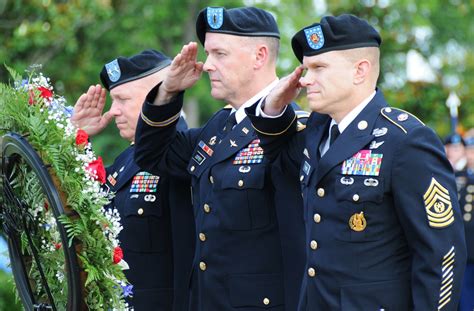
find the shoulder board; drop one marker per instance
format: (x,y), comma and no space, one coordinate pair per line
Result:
(400,118)
(227,107)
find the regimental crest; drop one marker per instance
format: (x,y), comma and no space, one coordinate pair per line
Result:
(113,70)
(314,37)
(438,205)
(215,17)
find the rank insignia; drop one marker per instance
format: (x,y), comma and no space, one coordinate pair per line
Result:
(314,37)
(363,163)
(357,222)
(206,148)
(438,205)
(144,182)
(113,70)
(252,154)
(215,17)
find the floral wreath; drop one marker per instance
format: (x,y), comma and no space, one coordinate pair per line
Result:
(30,107)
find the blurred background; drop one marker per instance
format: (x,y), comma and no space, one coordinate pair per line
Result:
(427,53)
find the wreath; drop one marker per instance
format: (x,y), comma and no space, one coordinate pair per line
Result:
(63,243)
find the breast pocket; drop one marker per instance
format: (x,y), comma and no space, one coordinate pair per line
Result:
(145,227)
(361,210)
(243,200)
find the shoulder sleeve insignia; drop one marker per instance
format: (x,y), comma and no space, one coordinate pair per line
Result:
(400,118)
(438,205)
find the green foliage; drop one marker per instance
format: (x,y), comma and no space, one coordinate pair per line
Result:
(74,39)
(8,300)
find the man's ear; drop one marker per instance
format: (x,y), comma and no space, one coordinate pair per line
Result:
(261,56)
(362,71)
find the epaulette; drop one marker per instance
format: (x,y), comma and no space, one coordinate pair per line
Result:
(400,118)
(227,107)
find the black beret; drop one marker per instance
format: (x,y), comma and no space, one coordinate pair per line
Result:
(246,21)
(333,33)
(453,139)
(122,69)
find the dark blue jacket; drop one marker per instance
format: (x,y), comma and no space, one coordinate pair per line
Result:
(240,262)
(466,197)
(383,225)
(158,233)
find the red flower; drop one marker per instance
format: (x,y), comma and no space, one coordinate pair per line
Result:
(45,93)
(46,206)
(57,245)
(81,138)
(118,255)
(97,170)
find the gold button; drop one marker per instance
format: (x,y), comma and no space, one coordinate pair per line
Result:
(468,207)
(202,237)
(140,211)
(207,208)
(192,168)
(202,266)
(266,301)
(313,244)
(469,198)
(301,177)
(467,217)
(211,179)
(317,218)
(321,192)
(470,188)
(311,272)
(241,183)
(355,197)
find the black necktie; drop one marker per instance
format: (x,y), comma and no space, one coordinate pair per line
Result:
(229,124)
(334,134)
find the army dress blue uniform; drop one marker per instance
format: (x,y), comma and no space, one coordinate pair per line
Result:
(157,241)
(384,229)
(238,263)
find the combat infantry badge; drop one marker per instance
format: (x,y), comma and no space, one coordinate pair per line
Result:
(438,205)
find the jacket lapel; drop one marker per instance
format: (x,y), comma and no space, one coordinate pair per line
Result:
(237,139)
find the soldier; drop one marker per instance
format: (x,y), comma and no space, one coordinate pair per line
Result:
(455,151)
(466,201)
(242,259)
(158,227)
(384,229)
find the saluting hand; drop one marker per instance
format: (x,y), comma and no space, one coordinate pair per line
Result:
(88,111)
(283,93)
(184,72)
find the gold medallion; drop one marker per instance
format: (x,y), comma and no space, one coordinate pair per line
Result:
(357,222)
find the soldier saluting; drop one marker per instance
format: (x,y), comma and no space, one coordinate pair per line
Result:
(384,228)
(240,254)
